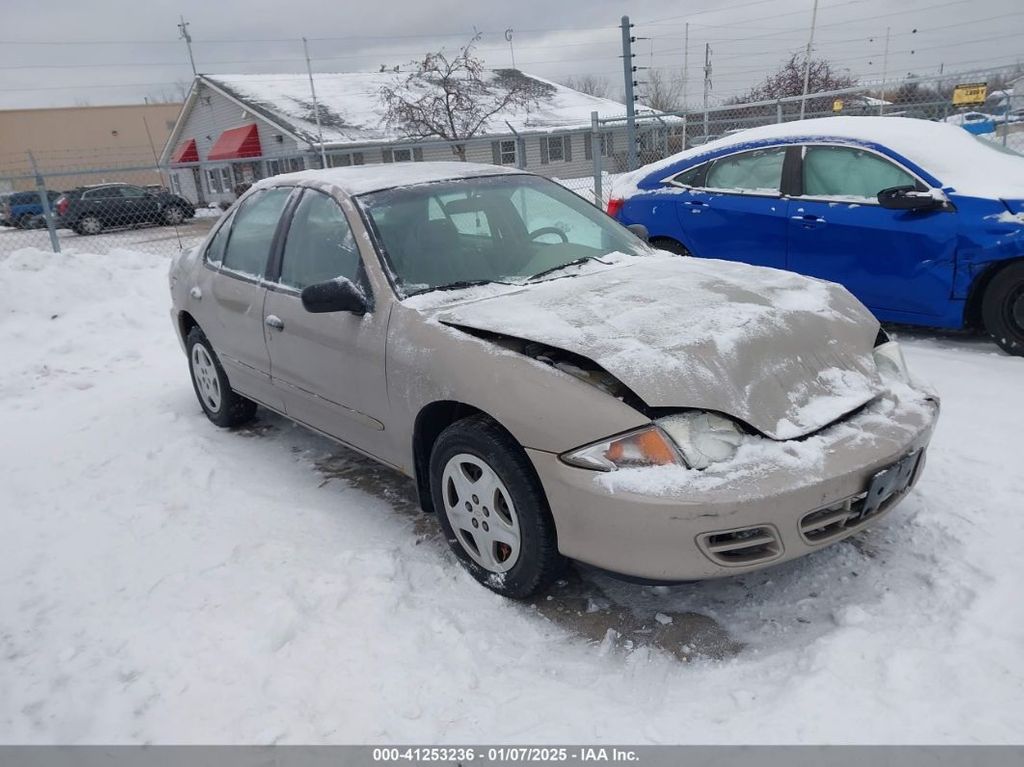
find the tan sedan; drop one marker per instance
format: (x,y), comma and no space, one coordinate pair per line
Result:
(557,389)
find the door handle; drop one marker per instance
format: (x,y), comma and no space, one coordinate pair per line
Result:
(273,321)
(695,206)
(809,221)
(196,293)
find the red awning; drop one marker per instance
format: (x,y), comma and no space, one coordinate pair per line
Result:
(237,143)
(187,152)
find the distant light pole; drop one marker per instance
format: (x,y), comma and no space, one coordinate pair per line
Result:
(184,35)
(807,59)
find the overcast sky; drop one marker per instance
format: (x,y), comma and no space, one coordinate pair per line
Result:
(63,52)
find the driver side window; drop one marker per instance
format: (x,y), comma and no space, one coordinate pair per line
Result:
(320,245)
(834,171)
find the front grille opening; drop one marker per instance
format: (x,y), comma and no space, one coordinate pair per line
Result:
(746,546)
(824,524)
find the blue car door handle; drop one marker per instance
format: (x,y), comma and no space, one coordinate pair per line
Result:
(809,221)
(695,206)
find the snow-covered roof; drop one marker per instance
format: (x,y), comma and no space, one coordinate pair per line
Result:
(351,110)
(960,161)
(359,179)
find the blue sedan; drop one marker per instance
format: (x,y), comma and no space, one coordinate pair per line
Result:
(922,221)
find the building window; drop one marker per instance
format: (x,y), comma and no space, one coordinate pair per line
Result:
(344,159)
(273,167)
(607,145)
(175,183)
(219,179)
(556,149)
(295,164)
(504,152)
(402,155)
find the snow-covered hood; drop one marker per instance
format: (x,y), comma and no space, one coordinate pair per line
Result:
(783,353)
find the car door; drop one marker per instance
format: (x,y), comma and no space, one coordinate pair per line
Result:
(329,367)
(233,303)
(895,261)
(732,208)
(137,205)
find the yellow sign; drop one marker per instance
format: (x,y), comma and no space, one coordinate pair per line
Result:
(837,105)
(970,94)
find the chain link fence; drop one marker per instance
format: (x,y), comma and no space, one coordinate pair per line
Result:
(98,206)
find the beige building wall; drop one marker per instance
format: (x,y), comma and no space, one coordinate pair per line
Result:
(69,140)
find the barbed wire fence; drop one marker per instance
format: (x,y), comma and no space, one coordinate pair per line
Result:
(86,201)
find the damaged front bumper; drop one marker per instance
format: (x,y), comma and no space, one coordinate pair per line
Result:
(777,500)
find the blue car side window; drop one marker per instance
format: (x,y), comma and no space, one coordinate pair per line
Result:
(833,171)
(757,172)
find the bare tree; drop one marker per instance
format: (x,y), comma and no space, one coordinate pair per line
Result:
(173,94)
(662,91)
(788,80)
(453,98)
(592,85)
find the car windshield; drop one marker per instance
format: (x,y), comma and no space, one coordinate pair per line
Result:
(506,228)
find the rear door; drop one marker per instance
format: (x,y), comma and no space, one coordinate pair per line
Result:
(732,208)
(137,205)
(234,301)
(892,260)
(328,367)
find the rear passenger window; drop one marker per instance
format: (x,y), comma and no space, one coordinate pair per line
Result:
(758,172)
(320,245)
(252,231)
(215,250)
(691,176)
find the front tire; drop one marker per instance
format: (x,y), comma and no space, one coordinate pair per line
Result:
(492,508)
(672,246)
(1002,308)
(222,406)
(173,215)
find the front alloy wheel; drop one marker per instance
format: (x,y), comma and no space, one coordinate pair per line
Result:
(220,403)
(492,508)
(481,512)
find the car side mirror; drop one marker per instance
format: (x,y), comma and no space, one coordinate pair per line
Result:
(640,231)
(337,295)
(907,198)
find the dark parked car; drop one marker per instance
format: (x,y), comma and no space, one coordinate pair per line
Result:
(24,209)
(91,209)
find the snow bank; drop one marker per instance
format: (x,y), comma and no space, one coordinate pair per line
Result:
(163,581)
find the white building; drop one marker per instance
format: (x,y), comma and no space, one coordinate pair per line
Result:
(234,129)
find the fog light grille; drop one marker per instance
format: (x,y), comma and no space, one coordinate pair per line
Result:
(824,524)
(745,546)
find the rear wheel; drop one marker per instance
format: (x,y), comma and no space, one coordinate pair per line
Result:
(222,405)
(1002,308)
(492,508)
(89,225)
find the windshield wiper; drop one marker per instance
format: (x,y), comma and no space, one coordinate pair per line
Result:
(458,285)
(574,262)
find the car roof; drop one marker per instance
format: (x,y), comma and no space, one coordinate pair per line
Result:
(360,179)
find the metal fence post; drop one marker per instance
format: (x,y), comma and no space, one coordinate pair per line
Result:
(44,199)
(595,153)
(778,111)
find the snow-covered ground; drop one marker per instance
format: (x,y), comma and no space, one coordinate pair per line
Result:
(165,581)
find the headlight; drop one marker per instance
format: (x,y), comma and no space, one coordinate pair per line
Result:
(890,362)
(703,438)
(645,447)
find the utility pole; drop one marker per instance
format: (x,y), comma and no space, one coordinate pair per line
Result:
(184,35)
(686,64)
(316,106)
(885,70)
(707,85)
(807,59)
(628,70)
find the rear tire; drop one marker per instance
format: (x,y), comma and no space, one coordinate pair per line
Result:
(492,508)
(222,406)
(1002,308)
(89,225)
(672,246)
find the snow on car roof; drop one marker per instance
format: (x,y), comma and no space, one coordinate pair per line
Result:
(960,161)
(359,179)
